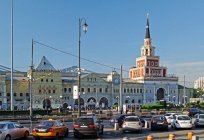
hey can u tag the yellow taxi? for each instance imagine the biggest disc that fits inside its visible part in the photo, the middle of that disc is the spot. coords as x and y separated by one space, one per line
50 128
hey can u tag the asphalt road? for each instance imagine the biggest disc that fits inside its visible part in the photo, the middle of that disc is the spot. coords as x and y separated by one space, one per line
110 133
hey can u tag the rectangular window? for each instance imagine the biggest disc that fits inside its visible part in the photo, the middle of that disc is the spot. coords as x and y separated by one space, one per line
70 90
41 80
100 90
124 90
106 90
140 90
65 90
94 90
53 91
128 90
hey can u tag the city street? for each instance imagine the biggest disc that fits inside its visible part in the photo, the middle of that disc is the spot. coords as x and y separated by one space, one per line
110 133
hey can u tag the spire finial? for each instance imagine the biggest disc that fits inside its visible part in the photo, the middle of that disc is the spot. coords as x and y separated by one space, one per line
147 35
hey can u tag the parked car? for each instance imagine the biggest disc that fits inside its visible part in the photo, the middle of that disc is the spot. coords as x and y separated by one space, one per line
13 130
169 117
199 120
159 122
145 118
50 129
118 119
191 111
182 121
132 123
87 125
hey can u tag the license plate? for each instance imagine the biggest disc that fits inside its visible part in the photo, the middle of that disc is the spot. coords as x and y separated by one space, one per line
42 130
83 126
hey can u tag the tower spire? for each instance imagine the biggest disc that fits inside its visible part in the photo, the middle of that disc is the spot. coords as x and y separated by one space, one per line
147 35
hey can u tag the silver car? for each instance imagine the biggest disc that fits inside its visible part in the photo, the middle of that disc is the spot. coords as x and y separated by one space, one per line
199 120
13 130
132 123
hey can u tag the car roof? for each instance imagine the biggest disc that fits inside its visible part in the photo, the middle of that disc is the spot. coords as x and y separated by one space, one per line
87 117
132 117
181 115
7 122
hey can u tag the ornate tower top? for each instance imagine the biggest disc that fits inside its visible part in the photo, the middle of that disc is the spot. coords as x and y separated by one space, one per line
147 35
147 49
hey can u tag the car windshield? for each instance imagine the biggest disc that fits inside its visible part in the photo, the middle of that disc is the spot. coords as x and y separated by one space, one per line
47 123
194 110
158 118
183 118
2 126
84 121
167 114
131 119
201 116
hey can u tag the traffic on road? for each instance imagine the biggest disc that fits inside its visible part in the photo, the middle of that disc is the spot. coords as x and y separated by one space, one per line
90 127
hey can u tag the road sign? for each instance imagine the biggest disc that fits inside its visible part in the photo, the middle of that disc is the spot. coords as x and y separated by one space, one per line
4 106
75 92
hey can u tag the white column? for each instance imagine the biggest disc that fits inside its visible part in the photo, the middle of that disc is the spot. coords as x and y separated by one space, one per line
168 93
144 95
154 93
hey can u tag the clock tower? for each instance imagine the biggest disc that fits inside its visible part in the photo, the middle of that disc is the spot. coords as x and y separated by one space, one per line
147 65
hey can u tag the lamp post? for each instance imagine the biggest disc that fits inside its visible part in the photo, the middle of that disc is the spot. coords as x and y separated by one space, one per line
79 69
117 97
60 100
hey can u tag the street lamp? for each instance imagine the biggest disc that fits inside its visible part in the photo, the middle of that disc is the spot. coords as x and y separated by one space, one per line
85 28
117 97
60 100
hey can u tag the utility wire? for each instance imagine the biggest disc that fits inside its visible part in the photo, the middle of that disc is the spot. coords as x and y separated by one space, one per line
91 61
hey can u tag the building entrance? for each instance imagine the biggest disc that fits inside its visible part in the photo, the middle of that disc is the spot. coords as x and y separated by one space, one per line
160 94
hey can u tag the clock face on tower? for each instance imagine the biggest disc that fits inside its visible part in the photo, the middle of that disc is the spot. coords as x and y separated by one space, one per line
116 81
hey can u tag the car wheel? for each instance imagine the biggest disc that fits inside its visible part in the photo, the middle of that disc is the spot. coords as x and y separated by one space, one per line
175 127
97 134
57 136
101 131
26 135
75 135
66 133
37 138
8 138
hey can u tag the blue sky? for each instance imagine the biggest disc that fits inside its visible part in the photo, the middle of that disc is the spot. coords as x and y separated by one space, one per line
115 33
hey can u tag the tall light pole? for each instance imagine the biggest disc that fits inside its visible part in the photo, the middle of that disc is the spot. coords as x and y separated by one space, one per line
79 69
31 82
12 107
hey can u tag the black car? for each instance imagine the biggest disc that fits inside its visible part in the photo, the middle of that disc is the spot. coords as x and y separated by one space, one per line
192 111
87 125
118 119
159 123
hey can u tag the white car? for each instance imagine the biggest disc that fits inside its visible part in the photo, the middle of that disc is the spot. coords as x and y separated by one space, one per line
132 123
181 121
12 130
169 117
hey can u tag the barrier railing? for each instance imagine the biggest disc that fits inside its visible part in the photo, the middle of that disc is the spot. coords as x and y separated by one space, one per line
189 136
